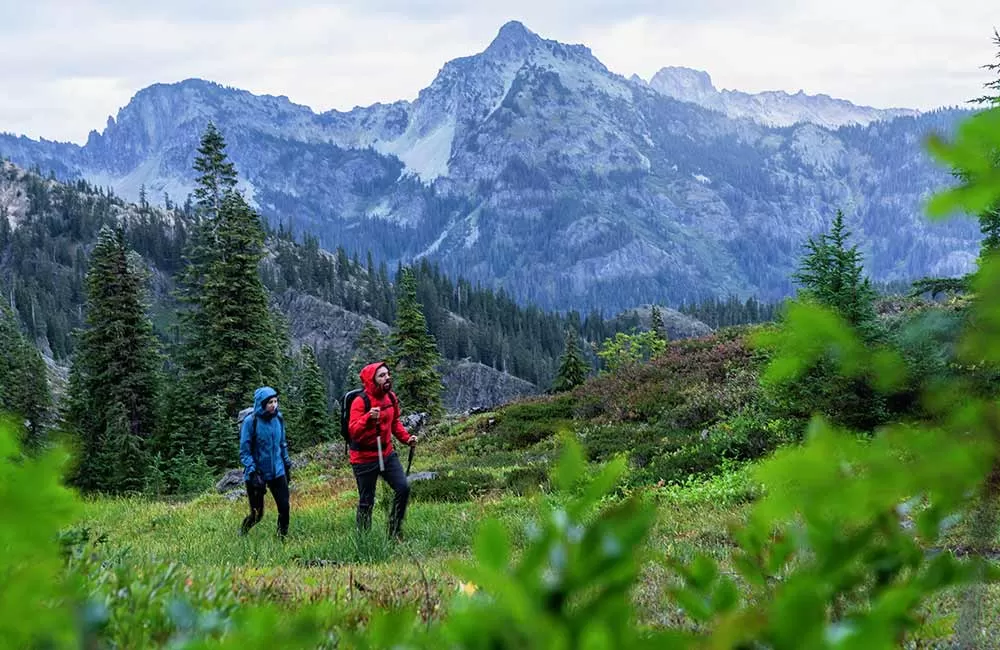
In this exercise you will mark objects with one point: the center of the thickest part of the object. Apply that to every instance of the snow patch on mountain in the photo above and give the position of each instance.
(426, 155)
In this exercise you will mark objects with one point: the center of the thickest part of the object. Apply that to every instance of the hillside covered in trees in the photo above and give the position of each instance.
(198, 303)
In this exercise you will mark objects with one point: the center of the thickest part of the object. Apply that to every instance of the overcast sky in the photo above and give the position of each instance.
(69, 64)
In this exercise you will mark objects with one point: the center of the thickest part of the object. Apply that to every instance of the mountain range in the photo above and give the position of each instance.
(773, 108)
(533, 168)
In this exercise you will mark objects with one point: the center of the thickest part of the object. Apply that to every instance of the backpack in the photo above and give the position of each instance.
(345, 416)
(242, 415)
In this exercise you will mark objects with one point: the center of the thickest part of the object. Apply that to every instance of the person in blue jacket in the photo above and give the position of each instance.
(264, 452)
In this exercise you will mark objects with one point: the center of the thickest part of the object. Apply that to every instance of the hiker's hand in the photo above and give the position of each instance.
(412, 441)
(373, 414)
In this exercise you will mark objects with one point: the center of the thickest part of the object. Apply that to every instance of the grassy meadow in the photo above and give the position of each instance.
(690, 428)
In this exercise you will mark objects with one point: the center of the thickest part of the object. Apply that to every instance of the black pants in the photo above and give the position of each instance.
(279, 490)
(366, 474)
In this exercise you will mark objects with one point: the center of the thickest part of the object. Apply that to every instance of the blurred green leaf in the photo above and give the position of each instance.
(493, 545)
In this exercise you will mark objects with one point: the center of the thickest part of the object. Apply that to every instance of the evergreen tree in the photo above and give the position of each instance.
(232, 343)
(656, 322)
(370, 347)
(989, 219)
(312, 422)
(832, 274)
(573, 368)
(217, 174)
(115, 373)
(415, 356)
(24, 388)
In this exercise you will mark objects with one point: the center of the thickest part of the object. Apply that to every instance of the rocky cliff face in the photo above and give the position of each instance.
(675, 324)
(469, 385)
(320, 325)
(531, 167)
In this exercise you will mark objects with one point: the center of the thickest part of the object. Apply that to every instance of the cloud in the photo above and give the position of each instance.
(71, 63)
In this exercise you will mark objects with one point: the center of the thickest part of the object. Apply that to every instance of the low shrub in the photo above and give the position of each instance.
(522, 425)
(524, 481)
(733, 485)
(746, 436)
(454, 487)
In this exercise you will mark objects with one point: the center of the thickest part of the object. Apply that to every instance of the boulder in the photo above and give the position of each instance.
(231, 480)
(421, 476)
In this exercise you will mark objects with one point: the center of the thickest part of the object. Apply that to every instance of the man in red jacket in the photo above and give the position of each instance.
(371, 447)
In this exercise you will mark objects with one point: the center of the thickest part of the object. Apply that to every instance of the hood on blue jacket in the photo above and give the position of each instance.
(260, 396)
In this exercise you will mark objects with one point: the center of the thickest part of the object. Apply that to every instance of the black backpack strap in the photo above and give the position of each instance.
(354, 446)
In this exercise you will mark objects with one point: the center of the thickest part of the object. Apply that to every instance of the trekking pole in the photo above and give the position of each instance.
(409, 461)
(378, 444)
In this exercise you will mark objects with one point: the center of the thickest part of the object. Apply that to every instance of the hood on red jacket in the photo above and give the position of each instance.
(367, 375)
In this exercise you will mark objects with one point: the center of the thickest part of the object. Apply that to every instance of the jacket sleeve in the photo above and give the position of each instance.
(362, 430)
(245, 456)
(397, 426)
(286, 461)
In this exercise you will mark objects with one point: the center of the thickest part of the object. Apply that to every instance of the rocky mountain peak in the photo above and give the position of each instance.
(683, 83)
(513, 37)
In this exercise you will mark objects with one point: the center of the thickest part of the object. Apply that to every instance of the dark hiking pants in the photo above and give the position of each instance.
(366, 474)
(279, 490)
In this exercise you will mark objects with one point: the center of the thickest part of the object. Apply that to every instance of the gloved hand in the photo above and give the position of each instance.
(256, 480)
(288, 474)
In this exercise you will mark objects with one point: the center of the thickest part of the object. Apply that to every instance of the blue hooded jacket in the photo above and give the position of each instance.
(272, 446)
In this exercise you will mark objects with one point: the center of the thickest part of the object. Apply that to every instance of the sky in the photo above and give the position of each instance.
(70, 64)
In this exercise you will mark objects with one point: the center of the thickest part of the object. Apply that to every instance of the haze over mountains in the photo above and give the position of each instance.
(530, 166)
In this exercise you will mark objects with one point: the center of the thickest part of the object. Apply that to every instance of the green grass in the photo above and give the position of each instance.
(324, 558)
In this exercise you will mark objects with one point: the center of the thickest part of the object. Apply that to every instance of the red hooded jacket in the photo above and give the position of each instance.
(363, 431)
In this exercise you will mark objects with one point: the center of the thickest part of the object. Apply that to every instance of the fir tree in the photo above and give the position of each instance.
(232, 342)
(312, 423)
(115, 373)
(656, 322)
(989, 219)
(573, 368)
(24, 388)
(415, 356)
(832, 274)
(370, 347)
(217, 174)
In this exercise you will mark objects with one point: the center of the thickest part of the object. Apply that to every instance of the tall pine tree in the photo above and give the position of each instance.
(989, 219)
(231, 344)
(216, 174)
(573, 368)
(371, 346)
(312, 423)
(415, 356)
(24, 388)
(114, 378)
(656, 322)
